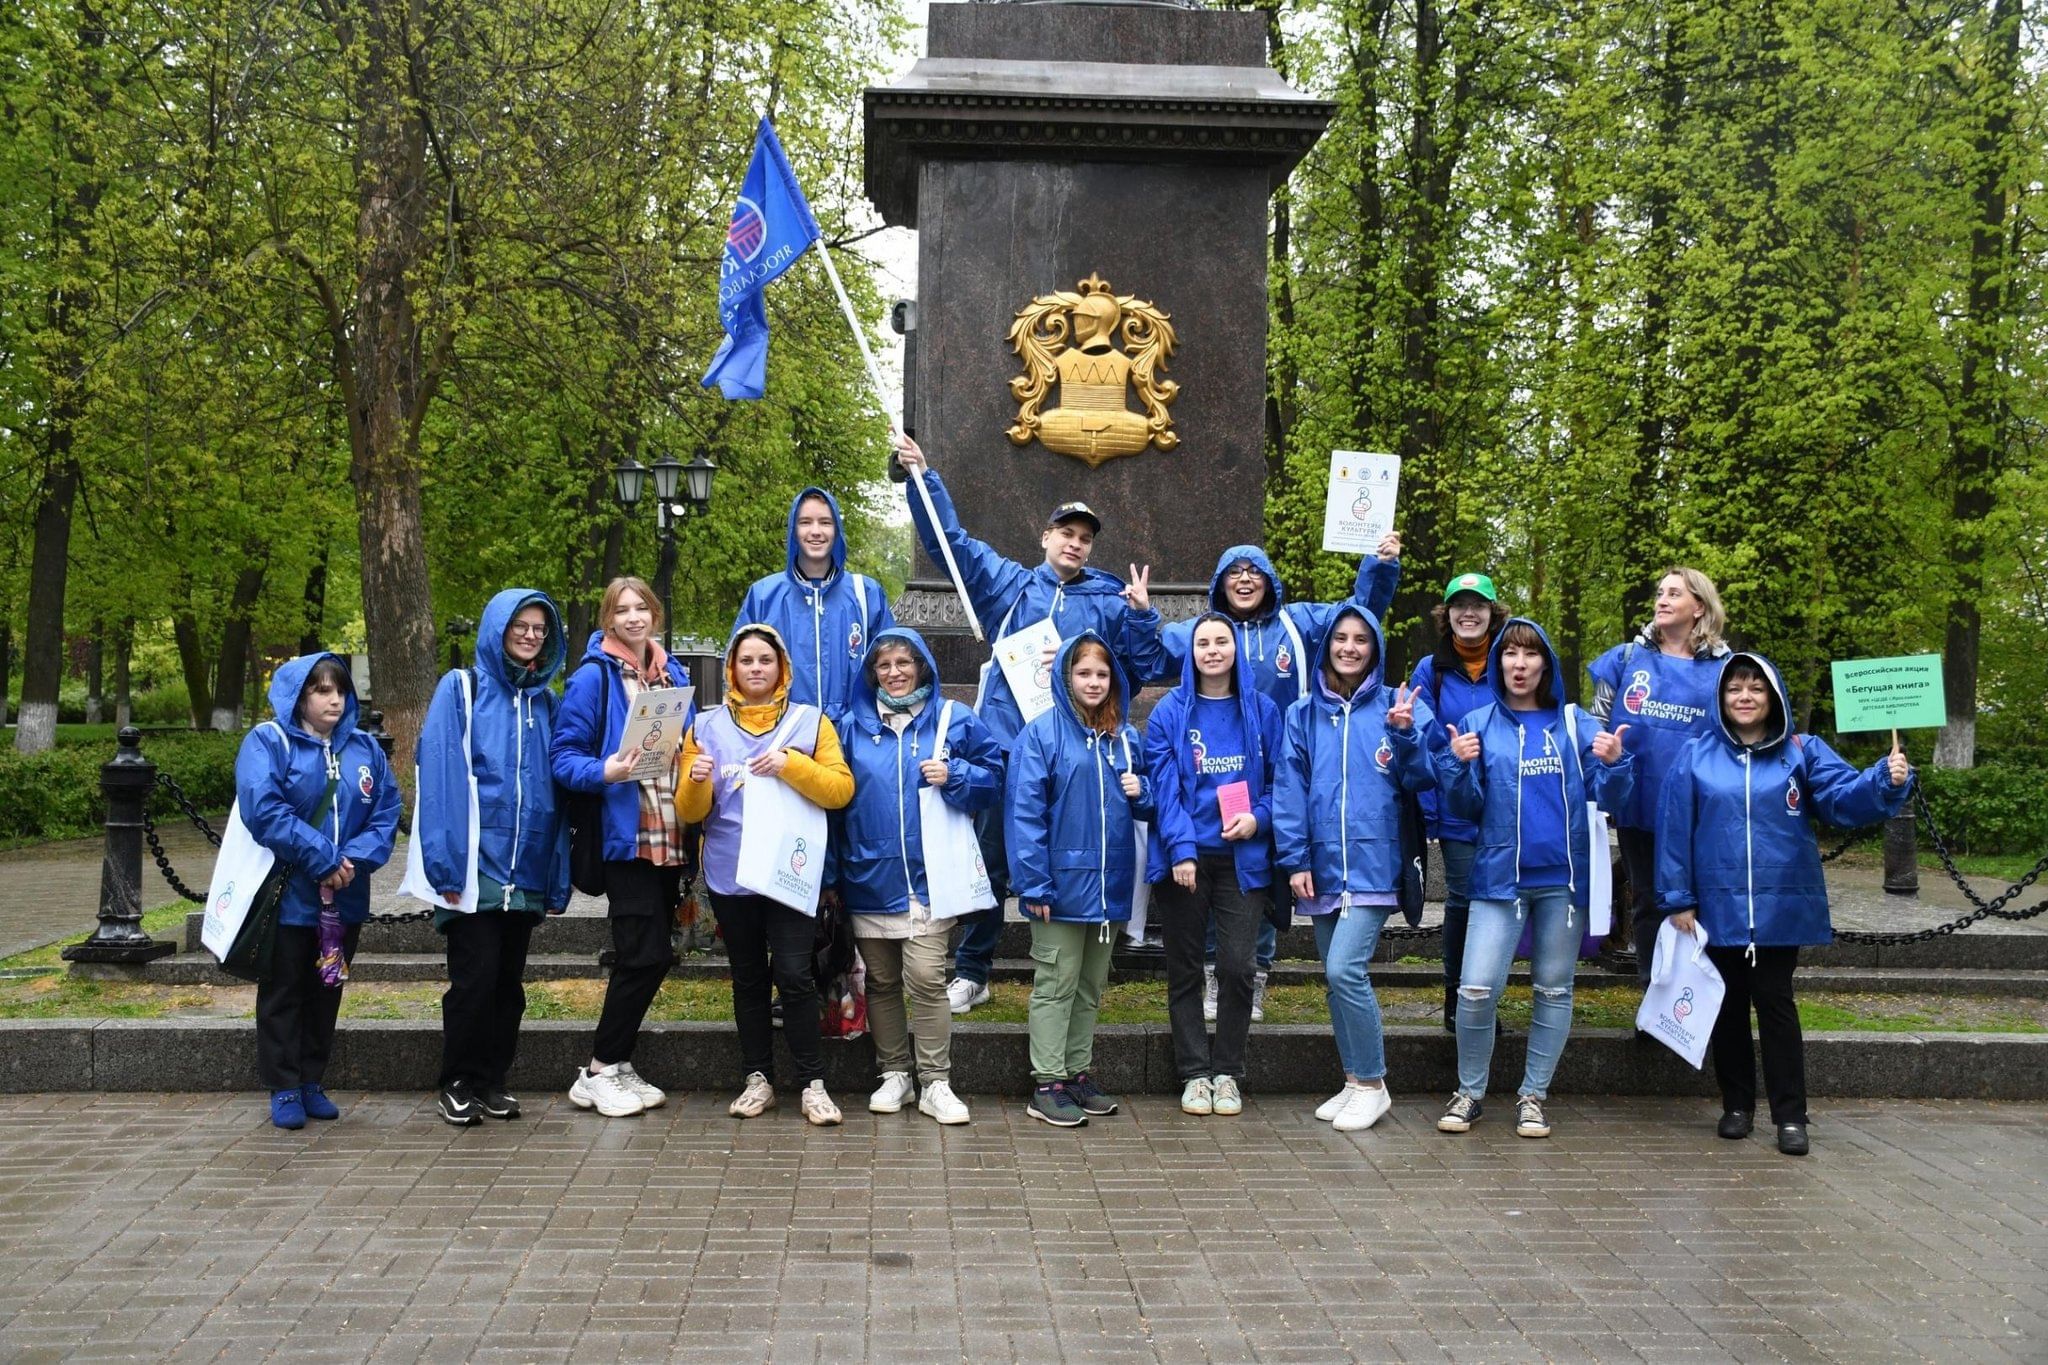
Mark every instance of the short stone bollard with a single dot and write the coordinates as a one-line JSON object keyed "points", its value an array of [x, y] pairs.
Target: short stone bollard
{"points": [[1901, 856], [126, 782]]}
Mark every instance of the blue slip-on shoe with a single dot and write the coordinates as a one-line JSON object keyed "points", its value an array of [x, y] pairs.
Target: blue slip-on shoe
{"points": [[287, 1109], [317, 1105]]}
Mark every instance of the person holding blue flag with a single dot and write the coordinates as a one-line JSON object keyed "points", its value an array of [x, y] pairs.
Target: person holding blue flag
{"points": [[772, 225]]}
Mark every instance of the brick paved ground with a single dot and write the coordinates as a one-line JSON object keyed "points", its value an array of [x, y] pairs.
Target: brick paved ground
{"points": [[181, 1227]]}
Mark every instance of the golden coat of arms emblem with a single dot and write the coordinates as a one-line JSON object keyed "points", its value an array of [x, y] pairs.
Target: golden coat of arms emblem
{"points": [[1069, 340]]}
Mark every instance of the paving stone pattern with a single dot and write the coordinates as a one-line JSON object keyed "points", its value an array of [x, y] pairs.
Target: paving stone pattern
{"points": [[182, 1227]]}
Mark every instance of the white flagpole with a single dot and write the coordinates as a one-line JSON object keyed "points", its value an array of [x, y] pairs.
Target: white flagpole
{"points": [[882, 396]]}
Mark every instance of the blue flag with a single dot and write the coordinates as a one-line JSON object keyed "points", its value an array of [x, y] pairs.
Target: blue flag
{"points": [[771, 226]]}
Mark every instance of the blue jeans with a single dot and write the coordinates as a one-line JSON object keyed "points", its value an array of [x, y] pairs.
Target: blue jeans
{"points": [[1346, 939], [975, 950], [1490, 941], [1457, 855]]}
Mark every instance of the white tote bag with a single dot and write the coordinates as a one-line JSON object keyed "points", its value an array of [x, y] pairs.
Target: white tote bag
{"points": [[416, 884], [1141, 890], [1684, 997], [1600, 863], [782, 836], [238, 870], [955, 876]]}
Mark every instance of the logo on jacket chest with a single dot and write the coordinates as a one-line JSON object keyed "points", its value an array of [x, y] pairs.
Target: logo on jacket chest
{"points": [[365, 783], [1638, 692], [1792, 796], [854, 641], [1283, 662], [1383, 757]]}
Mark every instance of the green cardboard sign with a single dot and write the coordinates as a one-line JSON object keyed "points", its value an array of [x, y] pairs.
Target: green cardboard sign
{"points": [[1889, 694]]}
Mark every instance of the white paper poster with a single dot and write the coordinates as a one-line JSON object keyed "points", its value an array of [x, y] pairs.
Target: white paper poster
{"points": [[1360, 508], [654, 731], [1022, 657]]}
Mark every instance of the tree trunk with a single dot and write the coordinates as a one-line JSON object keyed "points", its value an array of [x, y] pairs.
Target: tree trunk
{"points": [[193, 663], [124, 653], [393, 377], [232, 667], [1659, 250], [6, 665], [316, 605], [95, 674], [1978, 434]]}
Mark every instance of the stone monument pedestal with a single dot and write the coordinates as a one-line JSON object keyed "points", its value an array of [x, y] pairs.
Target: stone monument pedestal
{"points": [[1039, 145]]}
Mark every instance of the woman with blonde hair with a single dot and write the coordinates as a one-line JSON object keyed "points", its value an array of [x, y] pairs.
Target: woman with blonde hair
{"points": [[1661, 685], [643, 851]]}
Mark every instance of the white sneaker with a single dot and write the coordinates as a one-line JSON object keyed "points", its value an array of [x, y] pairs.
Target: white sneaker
{"points": [[1258, 997], [1329, 1108], [1197, 1096], [651, 1095], [757, 1099], [896, 1092], [939, 1101], [1368, 1105], [1228, 1101], [1209, 994], [605, 1091], [963, 995], [818, 1106]]}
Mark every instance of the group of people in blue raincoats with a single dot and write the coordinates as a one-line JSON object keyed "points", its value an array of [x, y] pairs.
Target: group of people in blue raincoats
{"points": [[1278, 777]]}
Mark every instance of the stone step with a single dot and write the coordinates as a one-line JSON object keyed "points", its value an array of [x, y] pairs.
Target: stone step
{"points": [[1977, 949], [41, 1055], [199, 969]]}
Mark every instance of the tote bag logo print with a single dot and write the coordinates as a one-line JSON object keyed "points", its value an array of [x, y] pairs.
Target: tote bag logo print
{"points": [[1683, 1005]]}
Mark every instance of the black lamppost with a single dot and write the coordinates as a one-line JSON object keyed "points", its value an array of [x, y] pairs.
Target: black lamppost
{"points": [[458, 626], [672, 478]]}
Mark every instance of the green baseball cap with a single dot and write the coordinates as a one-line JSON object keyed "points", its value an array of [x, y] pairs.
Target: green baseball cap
{"points": [[1471, 582]]}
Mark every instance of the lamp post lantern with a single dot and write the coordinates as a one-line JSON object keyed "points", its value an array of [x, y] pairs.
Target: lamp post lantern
{"points": [[672, 479]]}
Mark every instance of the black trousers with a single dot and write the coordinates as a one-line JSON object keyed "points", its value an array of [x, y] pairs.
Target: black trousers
{"points": [[642, 899], [1186, 931], [486, 996], [1639, 858], [767, 941], [1768, 987], [295, 1010]]}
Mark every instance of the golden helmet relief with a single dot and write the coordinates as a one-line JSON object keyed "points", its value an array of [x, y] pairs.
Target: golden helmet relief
{"points": [[1068, 346]]}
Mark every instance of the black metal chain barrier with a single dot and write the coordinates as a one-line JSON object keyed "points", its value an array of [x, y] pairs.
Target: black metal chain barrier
{"points": [[200, 823], [1850, 840], [1993, 908]]}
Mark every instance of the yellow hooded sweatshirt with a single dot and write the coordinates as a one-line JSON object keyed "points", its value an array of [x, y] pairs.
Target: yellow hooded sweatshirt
{"points": [[822, 778]]}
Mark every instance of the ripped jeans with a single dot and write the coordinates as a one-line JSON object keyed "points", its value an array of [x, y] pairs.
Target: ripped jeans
{"points": [[1490, 938]]}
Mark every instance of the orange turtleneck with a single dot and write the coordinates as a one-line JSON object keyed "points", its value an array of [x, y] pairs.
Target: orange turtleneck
{"points": [[1473, 656]]}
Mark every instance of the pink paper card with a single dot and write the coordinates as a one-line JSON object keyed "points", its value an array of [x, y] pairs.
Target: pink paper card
{"points": [[1234, 799]]}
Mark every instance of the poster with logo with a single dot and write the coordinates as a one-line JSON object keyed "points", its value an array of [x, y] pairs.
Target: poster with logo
{"points": [[1360, 507], [1022, 656], [654, 730]]}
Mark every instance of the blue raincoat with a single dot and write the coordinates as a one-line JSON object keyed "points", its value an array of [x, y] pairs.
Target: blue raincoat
{"points": [[1281, 643], [1735, 839], [1171, 761], [523, 843], [877, 844], [1071, 831], [1664, 700], [281, 781], [827, 625], [1487, 792], [1337, 793]]}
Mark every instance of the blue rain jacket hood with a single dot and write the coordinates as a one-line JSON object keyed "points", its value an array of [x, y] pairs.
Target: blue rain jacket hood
{"points": [[1071, 831], [876, 853], [1735, 827], [596, 692], [1282, 640], [281, 777], [522, 839], [1487, 793], [1172, 765], [1342, 770], [826, 626], [1008, 596]]}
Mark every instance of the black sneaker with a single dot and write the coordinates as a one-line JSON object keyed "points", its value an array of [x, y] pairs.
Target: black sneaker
{"points": [[1054, 1104], [458, 1106], [1792, 1139], [1459, 1115], [1090, 1096], [497, 1104]]}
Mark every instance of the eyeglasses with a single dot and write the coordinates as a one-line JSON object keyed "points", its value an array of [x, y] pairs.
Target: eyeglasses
{"points": [[1243, 571], [531, 632]]}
